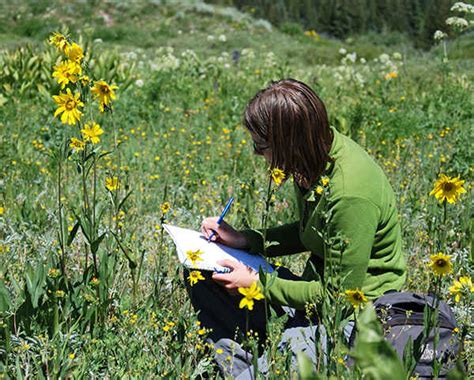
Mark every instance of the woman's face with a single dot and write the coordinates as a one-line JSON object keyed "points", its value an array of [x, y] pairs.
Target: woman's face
{"points": [[261, 148]]}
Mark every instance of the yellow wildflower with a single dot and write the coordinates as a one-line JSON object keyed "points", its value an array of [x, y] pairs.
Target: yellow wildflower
{"points": [[448, 188], [194, 277], [53, 273], [356, 297], [69, 107], [250, 294], [194, 256], [59, 293], [441, 264], [60, 41], [461, 287], [112, 183], [319, 190], [67, 72], [165, 207], [277, 175], [25, 346], [74, 52], [76, 144], [391, 75], [104, 92], [325, 181], [91, 132], [2, 210], [72, 355], [85, 80]]}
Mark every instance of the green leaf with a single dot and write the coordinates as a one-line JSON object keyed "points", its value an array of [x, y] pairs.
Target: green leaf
{"points": [[458, 372], [374, 356], [305, 367], [96, 243], [5, 303], [123, 200], [73, 233], [131, 261], [100, 207], [86, 228], [271, 243], [104, 154], [35, 280], [408, 359]]}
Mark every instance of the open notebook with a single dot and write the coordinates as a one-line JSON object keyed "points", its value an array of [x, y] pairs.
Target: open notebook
{"points": [[190, 240]]}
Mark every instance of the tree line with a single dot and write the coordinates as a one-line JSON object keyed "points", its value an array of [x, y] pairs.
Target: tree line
{"points": [[418, 19]]}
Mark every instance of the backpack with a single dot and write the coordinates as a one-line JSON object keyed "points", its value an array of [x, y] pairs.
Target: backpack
{"points": [[402, 316]]}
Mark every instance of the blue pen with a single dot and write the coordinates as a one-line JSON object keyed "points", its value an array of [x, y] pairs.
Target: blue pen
{"points": [[221, 218]]}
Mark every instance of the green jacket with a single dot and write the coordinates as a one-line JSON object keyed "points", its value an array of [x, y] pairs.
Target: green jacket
{"points": [[358, 210]]}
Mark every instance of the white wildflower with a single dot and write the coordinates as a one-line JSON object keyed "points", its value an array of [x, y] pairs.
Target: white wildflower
{"points": [[352, 57], [462, 7], [211, 38], [457, 22], [439, 35], [397, 56], [342, 51], [384, 57], [222, 38], [139, 83]]}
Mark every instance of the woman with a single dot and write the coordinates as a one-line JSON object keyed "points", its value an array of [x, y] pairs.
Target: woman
{"points": [[352, 225]]}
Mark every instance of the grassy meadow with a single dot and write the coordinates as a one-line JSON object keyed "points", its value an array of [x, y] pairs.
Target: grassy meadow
{"points": [[90, 286]]}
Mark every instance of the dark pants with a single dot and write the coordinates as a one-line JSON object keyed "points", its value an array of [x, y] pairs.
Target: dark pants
{"points": [[219, 311]]}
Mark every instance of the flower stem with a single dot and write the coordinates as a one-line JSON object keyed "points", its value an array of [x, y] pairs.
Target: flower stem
{"points": [[60, 215]]}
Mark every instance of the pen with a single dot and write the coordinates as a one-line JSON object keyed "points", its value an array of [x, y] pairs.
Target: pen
{"points": [[221, 218]]}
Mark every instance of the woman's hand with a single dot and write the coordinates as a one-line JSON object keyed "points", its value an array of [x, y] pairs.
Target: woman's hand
{"points": [[241, 276], [224, 233]]}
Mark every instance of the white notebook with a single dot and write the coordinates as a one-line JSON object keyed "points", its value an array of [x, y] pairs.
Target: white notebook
{"points": [[190, 240]]}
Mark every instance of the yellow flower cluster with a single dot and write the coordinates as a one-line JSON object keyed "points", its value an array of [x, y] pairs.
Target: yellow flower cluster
{"points": [[461, 287], [391, 75], [278, 176], [253, 292], [68, 105], [448, 189], [356, 297], [70, 72], [165, 207], [313, 34], [91, 132], [112, 183], [194, 256], [194, 277], [105, 93], [441, 264]]}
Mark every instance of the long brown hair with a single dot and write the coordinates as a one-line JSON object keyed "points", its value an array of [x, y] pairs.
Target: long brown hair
{"points": [[288, 118]]}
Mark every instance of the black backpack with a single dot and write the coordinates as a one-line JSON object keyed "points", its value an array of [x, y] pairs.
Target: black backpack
{"points": [[402, 316]]}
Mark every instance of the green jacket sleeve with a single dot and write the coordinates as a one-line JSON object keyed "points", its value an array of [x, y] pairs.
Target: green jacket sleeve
{"points": [[286, 235], [352, 222]]}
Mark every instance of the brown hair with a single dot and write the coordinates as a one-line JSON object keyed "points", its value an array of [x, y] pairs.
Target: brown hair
{"points": [[288, 118]]}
